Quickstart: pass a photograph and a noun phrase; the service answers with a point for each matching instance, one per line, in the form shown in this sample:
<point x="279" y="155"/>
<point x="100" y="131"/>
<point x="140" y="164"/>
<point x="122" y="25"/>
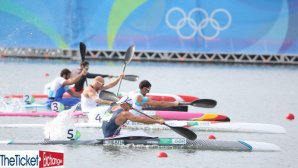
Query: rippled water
<point x="245" y="93"/>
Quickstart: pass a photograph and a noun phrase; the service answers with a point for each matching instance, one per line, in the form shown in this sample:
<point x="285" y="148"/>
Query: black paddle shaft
<point x="205" y="103"/>
<point x="180" y="130"/>
<point x="82" y="51"/>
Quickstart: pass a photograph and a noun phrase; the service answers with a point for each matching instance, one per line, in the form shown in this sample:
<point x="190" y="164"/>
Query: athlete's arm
<point x="74" y="80"/>
<point x="113" y="83"/>
<point x="161" y="103"/>
<point x="141" y="119"/>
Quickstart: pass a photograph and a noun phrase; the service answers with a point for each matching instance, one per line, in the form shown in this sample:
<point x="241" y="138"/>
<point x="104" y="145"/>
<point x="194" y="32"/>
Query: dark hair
<point x="144" y="83"/>
<point x="84" y="63"/>
<point x="65" y="71"/>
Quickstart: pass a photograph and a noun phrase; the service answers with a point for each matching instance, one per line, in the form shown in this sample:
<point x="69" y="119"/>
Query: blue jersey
<point x="55" y="93"/>
<point x="109" y="126"/>
<point x="57" y="89"/>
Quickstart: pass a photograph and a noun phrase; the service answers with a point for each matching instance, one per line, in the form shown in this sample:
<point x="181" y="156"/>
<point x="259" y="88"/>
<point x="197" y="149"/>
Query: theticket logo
<point x="31" y="158"/>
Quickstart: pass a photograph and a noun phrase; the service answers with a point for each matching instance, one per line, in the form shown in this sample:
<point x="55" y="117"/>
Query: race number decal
<point x="28" y="99"/>
<point x="98" y="117"/>
<point x="57" y="106"/>
<point x="73" y="134"/>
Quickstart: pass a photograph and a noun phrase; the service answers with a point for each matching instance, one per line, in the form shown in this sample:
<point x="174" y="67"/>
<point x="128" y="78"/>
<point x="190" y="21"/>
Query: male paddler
<point x="118" y="114"/>
<point x="90" y="101"/>
<point x="140" y="99"/>
<point x="79" y="86"/>
<point x="60" y="85"/>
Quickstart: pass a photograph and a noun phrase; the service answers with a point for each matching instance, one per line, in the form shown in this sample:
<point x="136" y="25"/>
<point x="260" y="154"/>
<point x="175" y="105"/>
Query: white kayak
<point x="193" y="125"/>
<point x="137" y="139"/>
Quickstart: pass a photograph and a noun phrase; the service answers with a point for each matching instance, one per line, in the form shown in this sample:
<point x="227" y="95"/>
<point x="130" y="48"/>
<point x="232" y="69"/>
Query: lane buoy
<point x="290" y="116"/>
<point x="211" y="137"/>
<point x="162" y="155"/>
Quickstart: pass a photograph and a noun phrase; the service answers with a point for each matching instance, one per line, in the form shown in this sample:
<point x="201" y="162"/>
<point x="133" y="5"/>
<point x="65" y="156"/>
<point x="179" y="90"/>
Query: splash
<point x="10" y="105"/>
<point x="62" y="127"/>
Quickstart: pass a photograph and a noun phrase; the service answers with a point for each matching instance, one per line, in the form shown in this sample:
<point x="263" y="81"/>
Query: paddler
<point x="79" y="86"/>
<point x="118" y="114"/>
<point x="60" y="85"/>
<point x="140" y="99"/>
<point x="90" y="100"/>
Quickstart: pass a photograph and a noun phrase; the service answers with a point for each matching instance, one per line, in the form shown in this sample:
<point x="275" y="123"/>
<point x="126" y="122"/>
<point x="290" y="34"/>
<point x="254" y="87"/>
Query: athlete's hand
<point x="84" y="71"/>
<point x="121" y="76"/>
<point x="160" y="121"/>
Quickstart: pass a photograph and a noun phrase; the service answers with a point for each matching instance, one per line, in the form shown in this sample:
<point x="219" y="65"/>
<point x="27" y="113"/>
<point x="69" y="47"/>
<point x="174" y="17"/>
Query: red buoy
<point x="162" y="154"/>
<point x="46" y="74"/>
<point x="290" y="116"/>
<point x="211" y="137"/>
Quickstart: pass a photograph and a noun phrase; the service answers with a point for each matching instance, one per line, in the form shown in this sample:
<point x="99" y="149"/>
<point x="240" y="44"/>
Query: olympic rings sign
<point x="188" y="20"/>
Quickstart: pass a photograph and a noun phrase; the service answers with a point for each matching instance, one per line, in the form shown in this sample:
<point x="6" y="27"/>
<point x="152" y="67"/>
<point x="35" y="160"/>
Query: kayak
<point x="175" y="108"/>
<point x="205" y="126"/>
<point x="173" y="143"/>
<point x="36" y="114"/>
<point x="143" y="141"/>
<point x="167" y="97"/>
<point x="35" y="105"/>
<point x="192" y="125"/>
<point x="167" y="115"/>
<point x="153" y="96"/>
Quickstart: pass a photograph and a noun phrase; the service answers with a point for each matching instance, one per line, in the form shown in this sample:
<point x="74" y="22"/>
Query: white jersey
<point x="56" y="88"/>
<point x="133" y="95"/>
<point x="87" y="104"/>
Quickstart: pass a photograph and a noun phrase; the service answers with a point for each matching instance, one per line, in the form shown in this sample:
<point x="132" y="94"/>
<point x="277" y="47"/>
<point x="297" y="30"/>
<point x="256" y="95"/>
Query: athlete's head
<point x="84" y="64"/>
<point x="65" y="73"/>
<point x="145" y="87"/>
<point x="98" y="83"/>
<point x="125" y="102"/>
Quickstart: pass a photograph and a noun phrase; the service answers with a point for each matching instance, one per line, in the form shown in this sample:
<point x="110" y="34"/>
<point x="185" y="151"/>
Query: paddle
<point x="106" y="95"/>
<point x="180" y="130"/>
<point x="82" y="51"/>
<point x="204" y="103"/>
<point x="129" y="77"/>
<point x="128" y="56"/>
<point x="83" y="54"/>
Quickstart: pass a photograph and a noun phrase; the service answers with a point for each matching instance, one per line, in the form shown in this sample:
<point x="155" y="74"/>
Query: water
<point x="245" y="93"/>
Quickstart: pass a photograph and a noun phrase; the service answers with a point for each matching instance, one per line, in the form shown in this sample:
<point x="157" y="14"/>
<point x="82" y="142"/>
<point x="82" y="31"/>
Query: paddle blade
<point x="106" y="95"/>
<point x="129" y="54"/>
<point x="189" y="134"/>
<point x="131" y="77"/>
<point x="205" y="103"/>
<point x="82" y="51"/>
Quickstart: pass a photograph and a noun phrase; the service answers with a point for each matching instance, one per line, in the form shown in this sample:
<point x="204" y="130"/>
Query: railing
<point x="152" y="56"/>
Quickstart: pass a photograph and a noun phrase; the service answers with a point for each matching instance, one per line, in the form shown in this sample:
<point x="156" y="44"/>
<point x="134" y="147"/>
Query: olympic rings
<point x="188" y="20"/>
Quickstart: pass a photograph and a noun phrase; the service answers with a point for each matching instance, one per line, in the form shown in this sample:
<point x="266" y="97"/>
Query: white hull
<point x="193" y="125"/>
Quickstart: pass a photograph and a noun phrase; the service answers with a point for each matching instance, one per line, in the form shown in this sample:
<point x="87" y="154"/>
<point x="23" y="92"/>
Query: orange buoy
<point x="211" y="137"/>
<point x="162" y="155"/>
<point x="290" y="116"/>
